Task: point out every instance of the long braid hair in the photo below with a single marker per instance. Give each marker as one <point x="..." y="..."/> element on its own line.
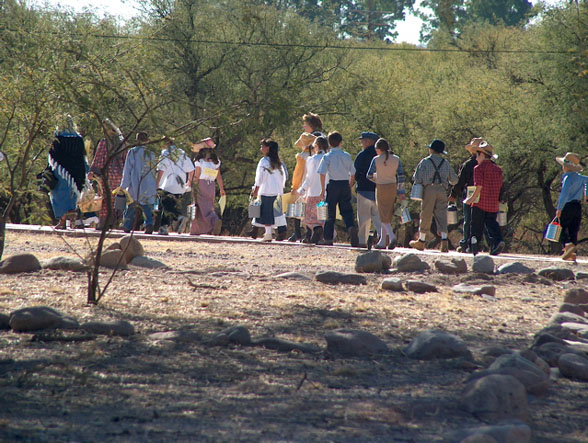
<point x="383" y="145"/>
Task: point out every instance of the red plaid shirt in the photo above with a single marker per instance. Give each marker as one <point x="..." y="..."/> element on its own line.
<point x="489" y="176"/>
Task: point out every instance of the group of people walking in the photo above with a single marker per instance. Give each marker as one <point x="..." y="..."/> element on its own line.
<point x="323" y="178"/>
<point x="143" y="180"/>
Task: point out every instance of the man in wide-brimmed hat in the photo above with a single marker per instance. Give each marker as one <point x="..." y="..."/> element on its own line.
<point x="459" y="191"/>
<point x="484" y="200"/>
<point x="437" y="176"/>
<point x="569" y="209"/>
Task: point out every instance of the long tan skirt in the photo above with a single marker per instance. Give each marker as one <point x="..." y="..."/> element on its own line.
<point x="385" y="199"/>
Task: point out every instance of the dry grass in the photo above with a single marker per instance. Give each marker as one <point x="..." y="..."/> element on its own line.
<point x="140" y="389"/>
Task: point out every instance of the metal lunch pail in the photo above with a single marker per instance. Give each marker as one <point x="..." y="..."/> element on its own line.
<point x="586" y="193"/>
<point x="553" y="230"/>
<point x="451" y="215"/>
<point x="501" y="217"/>
<point x="254" y="209"/>
<point x="295" y="210"/>
<point x="322" y="211"/>
<point x="405" y="215"/>
<point x="120" y="202"/>
<point x="416" y="193"/>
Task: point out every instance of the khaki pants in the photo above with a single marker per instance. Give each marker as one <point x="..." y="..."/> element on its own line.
<point x="367" y="212"/>
<point x="385" y="198"/>
<point x="434" y="203"/>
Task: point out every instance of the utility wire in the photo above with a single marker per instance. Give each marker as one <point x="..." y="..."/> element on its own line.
<point x="309" y="46"/>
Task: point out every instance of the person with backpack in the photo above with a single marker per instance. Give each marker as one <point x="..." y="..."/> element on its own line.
<point x="436" y="176"/>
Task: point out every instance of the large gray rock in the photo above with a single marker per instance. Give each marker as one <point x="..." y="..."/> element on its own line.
<point x="557" y="274"/>
<point x="573" y="366"/>
<point x="455" y="266"/>
<point x="147" y="262"/>
<point x="535" y="380"/>
<point x="115" y="327"/>
<point x="410" y="263"/>
<point x="113" y="259"/>
<point x="4" y="321"/>
<point x="483" y="264"/>
<point x="352" y="342"/>
<point x="513" y="431"/>
<point x="235" y="334"/>
<point x="64" y="264"/>
<point x="496" y="397"/>
<point x="574" y="309"/>
<point x="40" y="317"/>
<point x="567" y="317"/>
<point x="576" y="296"/>
<point x="334" y="278"/>
<point x="392" y="284"/>
<point x="131" y="247"/>
<point x="373" y="261"/>
<point x="514" y="268"/>
<point x="19" y="263"/>
<point x="434" y="344"/>
<point x="475" y="290"/>
<point x="420" y="287"/>
<point x="550" y="352"/>
<point x="575" y="327"/>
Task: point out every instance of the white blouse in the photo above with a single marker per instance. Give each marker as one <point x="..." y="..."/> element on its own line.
<point x="208" y="170"/>
<point x="311" y="186"/>
<point x="270" y="181"/>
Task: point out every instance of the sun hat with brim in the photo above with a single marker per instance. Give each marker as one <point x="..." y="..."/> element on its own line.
<point x="305" y="139"/>
<point x="486" y="149"/>
<point x="571" y="161"/>
<point x="437" y="146"/>
<point x="473" y="144"/>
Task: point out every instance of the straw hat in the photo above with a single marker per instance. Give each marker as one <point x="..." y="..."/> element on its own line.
<point x="571" y="161"/>
<point x="486" y="148"/>
<point x="472" y="146"/>
<point x="204" y="143"/>
<point x="305" y="139"/>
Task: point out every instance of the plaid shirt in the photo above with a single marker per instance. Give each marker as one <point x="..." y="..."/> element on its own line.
<point x="425" y="171"/>
<point x="489" y="176"/>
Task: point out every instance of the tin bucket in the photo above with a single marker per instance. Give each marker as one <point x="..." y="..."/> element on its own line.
<point x="192" y="212"/>
<point x="120" y="202"/>
<point x="501" y="217"/>
<point x="553" y="230"/>
<point x="405" y="215"/>
<point x="416" y="193"/>
<point x="254" y="209"/>
<point x="586" y="193"/>
<point x="322" y="211"/>
<point x="451" y="215"/>
<point x="295" y="210"/>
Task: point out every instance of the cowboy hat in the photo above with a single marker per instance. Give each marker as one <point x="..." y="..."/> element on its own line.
<point x="486" y="148"/>
<point x="473" y="144"/>
<point x="571" y="161"/>
<point x="305" y="139"/>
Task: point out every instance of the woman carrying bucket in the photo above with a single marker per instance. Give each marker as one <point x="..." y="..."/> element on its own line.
<point x="387" y="173"/>
<point x="569" y="209"/>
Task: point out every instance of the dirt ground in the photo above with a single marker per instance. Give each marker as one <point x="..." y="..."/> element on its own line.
<point x="67" y="387"/>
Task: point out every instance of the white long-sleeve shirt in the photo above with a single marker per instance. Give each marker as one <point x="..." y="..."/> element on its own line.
<point x="270" y="181"/>
<point x="311" y="186"/>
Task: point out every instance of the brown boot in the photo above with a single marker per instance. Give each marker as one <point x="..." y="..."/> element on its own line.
<point x="444" y="246"/>
<point x="569" y="252"/>
<point x="417" y="244"/>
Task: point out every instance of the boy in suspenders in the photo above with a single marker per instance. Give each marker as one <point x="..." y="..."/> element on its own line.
<point x="436" y="175"/>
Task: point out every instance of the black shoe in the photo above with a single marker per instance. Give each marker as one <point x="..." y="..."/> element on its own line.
<point x="307" y="236"/>
<point x="317" y="235"/>
<point x="353" y="238"/>
<point x="497" y="249"/>
<point x="325" y="242"/>
<point x="149" y="229"/>
<point x="253" y="232"/>
<point x="293" y="238"/>
<point x="282" y="236"/>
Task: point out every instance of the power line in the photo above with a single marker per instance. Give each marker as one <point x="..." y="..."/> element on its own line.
<point x="307" y="46"/>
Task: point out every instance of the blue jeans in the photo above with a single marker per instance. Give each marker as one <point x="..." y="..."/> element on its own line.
<point x="129" y="215"/>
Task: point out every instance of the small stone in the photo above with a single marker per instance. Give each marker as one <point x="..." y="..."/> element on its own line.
<point x="334" y="278"/>
<point x="64" y="264"/>
<point x="535" y="380"/>
<point x="117" y="327"/>
<point x="235" y="334"/>
<point x="496" y="397"/>
<point x="514" y="268"/>
<point x="113" y="259"/>
<point x="557" y="274"/>
<point x="420" y="287"/>
<point x="477" y="276"/>
<point x="550" y="352"/>
<point x="581" y="275"/>
<point x="567" y="317"/>
<point x="392" y="284"/>
<point x="573" y="366"/>
<point x="131" y="247"/>
<point x="147" y="262"/>
<point x="456" y="266"/>
<point x="576" y="296"/>
<point x="513" y="431"/>
<point x="410" y="263"/>
<point x="4" y="321"/>
<point x="574" y="309"/>
<point x="352" y="342"/>
<point x="292" y="276"/>
<point x="40" y="317"/>
<point x="373" y="261"/>
<point x="177" y="336"/>
<point x="435" y="344"/>
<point x="534" y="278"/>
<point x="19" y="263"/>
<point x="475" y="290"/>
<point x="282" y="345"/>
<point x="575" y="327"/>
<point x="483" y="264"/>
